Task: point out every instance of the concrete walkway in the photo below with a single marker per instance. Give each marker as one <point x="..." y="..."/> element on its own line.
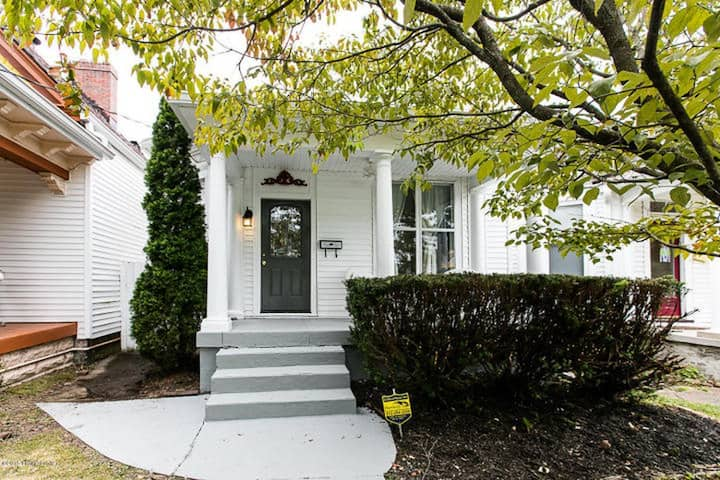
<point x="169" y="436"/>
<point x="707" y="395"/>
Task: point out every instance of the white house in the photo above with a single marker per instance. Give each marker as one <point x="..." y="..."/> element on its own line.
<point x="70" y="216"/>
<point x="282" y="240"/>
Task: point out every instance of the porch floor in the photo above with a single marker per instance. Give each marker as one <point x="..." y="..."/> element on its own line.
<point x="289" y="324"/>
<point x="279" y="332"/>
<point x="16" y="336"/>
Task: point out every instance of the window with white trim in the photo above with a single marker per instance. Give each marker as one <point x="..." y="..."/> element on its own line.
<point x="571" y="263"/>
<point x="424" y="229"/>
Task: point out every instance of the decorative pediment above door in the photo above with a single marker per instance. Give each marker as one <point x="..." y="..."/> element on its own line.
<point x="284" y="178"/>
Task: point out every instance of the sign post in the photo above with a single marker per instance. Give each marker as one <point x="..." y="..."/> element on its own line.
<point x="397" y="409"/>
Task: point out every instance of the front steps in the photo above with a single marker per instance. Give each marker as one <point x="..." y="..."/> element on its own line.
<point x="280" y="381"/>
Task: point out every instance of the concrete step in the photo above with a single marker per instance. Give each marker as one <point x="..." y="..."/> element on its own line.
<point x="286" y="337"/>
<point x="280" y="356"/>
<point x="285" y="403"/>
<point x="265" y="379"/>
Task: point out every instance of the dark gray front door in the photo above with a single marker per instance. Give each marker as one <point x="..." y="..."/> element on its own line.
<point x="285" y="262"/>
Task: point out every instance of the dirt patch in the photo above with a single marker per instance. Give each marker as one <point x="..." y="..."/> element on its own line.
<point x="614" y="441"/>
<point x="126" y="376"/>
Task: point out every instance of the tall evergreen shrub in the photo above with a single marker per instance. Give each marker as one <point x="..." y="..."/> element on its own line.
<point x="170" y="295"/>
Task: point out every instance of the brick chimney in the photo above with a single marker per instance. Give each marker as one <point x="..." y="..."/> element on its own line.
<point x="99" y="82"/>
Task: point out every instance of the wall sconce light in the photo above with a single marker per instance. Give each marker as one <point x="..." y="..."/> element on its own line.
<point x="247" y="220"/>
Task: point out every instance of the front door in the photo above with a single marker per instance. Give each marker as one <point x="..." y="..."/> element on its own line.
<point x="664" y="263"/>
<point x="285" y="256"/>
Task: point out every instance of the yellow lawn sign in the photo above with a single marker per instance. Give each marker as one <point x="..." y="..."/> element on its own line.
<point x="397" y="409"/>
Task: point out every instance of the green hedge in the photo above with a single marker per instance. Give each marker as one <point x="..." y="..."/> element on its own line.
<point x="541" y="336"/>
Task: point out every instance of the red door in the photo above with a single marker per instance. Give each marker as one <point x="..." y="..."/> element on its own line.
<point x="664" y="262"/>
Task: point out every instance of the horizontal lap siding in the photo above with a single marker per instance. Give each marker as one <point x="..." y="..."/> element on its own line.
<point x="41" y="248"/>
<point x="118" y="235"/>
<point x="702" y="278"/>
<point x="344" y="212"/>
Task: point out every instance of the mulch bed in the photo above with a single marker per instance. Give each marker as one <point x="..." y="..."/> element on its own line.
<point x="623" y="440"/>
<point x="126" y="376"/>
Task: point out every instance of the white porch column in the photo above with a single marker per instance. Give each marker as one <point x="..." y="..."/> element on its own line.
<point x="538" y="259"/>
<point x="476" y="230"/>
<point x="217" y="319"/>
<point x="384" y="240"/>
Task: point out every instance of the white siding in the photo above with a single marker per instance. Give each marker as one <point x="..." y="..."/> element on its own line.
<point x="463" y="193"/>
<point x="702" y="277"/>
<point x="41" y="248"/>
<point x="344" y="212"/>
<point x="118" y="233"/>
<point x="496" y="256"/>
<point x="342" y="205"/>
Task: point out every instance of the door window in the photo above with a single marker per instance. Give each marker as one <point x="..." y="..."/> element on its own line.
<point x="285" y="231"/>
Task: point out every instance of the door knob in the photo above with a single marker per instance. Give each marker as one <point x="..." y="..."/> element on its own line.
<point x="263" y="263"/>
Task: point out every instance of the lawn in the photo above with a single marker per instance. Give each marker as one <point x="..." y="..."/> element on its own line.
<point x="36" y="447"/>
<point x="654" y="438"/>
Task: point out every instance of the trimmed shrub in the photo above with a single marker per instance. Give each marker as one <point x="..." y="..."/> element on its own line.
<point x="532" y="336"/>
<point x="169" y="300"/>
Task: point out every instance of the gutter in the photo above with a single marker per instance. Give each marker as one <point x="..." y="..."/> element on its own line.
<point x="18" y="91"/>
<point x="117" y="143"/>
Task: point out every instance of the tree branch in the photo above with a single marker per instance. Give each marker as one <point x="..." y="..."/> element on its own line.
<point x="657" y="77"/>
<point x="516" y="16"/>
<point x="610" y="25"/>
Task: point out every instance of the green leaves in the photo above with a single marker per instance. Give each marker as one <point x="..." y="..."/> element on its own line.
<point x="680" y="195"/>
<point x="601" y="87"/>
<point x="711" y="27"/>
<point x="408" y="11"/>
<point x="598" y="4"/>
<point x="485" y="169"/>
<point x="427" y="93"/>
<point x="551" y="200"/>
<point x="473" y="10"/>
<point x="591" y="195"/>
<point x="165" y="320"/>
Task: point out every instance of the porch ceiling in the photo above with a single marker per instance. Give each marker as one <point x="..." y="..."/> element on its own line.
<point x="301" y="160"/>
<point x="358" y="163"/>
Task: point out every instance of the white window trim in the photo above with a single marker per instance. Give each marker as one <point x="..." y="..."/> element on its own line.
<point x="586" y="262"/>
<point x="419" y="229"/>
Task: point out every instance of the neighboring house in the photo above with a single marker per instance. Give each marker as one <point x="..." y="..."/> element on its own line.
<point x="70" y="216"/>
<point x="282" y="240"/>
<point x="646" y="259"/>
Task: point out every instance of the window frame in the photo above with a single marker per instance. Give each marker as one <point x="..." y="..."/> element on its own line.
<point x="419" y="229"/>
<point x="583" y="259"/>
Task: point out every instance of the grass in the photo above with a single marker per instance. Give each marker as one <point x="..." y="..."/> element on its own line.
<point x="42" y="384"/>
<point x="712" y="411"/>
<point x="50" y="456"/>
<point x="40" y="448"/>
<point x="689" y="372"/>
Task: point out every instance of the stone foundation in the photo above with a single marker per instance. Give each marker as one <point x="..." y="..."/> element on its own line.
<point x="90" y="356"/>
<point x="19" y="357"/>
